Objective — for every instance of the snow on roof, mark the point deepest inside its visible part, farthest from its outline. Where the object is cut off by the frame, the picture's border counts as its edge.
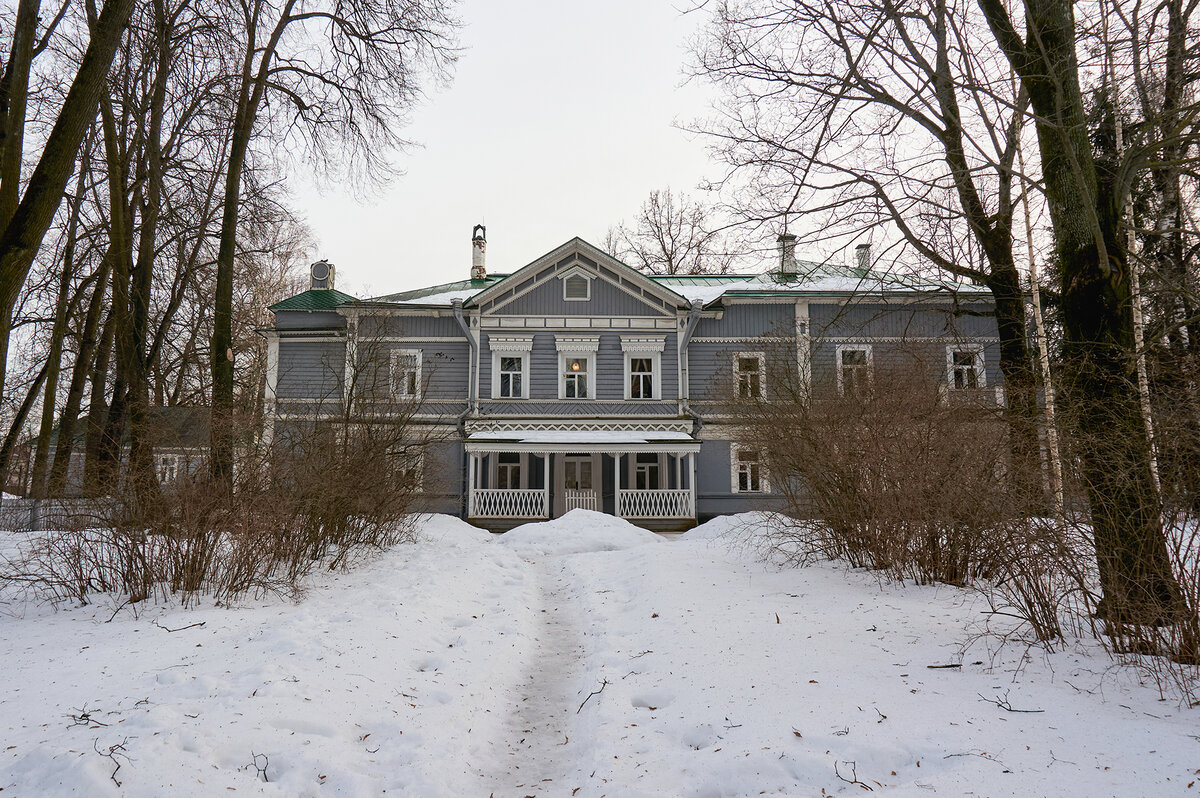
(444, 298)
(582, 440)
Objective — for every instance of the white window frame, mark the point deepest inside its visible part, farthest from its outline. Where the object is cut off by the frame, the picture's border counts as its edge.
(397, 354)
(522, 466)
(980, 365)
(737, 373)
(510, 346)
(571, 347)
(660, 470)
(735, 471)
(577, 271)
(167, 464)
(644, 347)
(842, 348)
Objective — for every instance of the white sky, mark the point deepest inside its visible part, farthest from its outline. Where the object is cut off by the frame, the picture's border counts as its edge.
(559, 122)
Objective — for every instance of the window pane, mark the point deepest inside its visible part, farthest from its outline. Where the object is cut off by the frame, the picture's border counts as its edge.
(641, 365)
(748, 365)
(854, 357)
(576, 288)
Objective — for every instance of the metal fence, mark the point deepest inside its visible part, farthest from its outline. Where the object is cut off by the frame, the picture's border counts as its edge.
(39, 515)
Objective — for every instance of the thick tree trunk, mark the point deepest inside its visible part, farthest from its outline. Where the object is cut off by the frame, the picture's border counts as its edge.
(16, 429)
(22, 237)
(14, 96)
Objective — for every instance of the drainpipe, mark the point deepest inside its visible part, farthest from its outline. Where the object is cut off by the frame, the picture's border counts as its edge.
(457, 305)
(685, 339)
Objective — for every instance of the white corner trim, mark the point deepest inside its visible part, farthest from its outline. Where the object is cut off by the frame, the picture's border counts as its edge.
(643, 343)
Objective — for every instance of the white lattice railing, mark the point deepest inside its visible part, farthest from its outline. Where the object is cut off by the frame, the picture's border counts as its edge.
(579, 500)
(655, 504)
(497, 503)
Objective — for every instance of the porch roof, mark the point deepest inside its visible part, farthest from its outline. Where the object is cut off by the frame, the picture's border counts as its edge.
(602, 441)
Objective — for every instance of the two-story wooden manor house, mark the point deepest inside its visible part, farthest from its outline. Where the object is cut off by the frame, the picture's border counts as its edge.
(578, 382)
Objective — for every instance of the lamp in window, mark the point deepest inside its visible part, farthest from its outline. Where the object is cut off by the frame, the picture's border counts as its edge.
(574, 365)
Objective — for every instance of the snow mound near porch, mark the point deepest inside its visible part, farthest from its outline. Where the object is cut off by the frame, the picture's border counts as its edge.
(733, 527)
(577, 532)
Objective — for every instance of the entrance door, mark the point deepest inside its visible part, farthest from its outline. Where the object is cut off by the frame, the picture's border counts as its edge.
(578, 489)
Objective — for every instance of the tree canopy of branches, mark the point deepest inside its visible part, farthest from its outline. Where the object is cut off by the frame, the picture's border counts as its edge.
(672, 234)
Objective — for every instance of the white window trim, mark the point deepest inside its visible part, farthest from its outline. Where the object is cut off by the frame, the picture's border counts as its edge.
(980, 365)
(761, 357)
(854, 348)
(577, 271)
(734, 469)
(577, 346)
(396, 355)
(643, 346)
(510, 346)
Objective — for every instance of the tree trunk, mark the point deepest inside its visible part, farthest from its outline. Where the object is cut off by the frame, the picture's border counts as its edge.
(98, 411)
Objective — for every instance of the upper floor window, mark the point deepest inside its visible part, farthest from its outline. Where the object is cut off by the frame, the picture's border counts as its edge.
(512, 371)
(643, 366)
(853, 369)
(510, 365)
(576, 362)
(749, 371)
(166, 468)
(575, 377)
(577, 288)
(965, 362)
(406, 373)
(749, 470)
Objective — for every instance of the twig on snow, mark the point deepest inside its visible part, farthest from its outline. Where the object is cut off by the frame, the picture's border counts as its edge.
(853, 776)
(180, 629)
(603, 684)
(1004, 703)
(114, 751)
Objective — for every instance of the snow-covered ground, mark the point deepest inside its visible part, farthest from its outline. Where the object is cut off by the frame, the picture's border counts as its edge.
(580, 657)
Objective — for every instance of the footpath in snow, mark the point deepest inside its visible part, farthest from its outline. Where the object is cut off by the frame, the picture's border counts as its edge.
(578, 657)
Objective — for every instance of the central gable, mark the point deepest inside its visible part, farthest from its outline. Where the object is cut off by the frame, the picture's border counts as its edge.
(577, 279)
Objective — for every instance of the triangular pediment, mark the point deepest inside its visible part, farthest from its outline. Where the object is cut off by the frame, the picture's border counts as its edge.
(615, 288)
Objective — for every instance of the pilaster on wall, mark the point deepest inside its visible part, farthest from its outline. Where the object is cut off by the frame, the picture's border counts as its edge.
(803, 346)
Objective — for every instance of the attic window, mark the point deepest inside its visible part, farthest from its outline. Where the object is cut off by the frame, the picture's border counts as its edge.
(577, 288)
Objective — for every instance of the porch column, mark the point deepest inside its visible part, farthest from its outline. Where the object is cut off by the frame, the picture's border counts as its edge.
(617, 484)
(546, 485)
(471, 486)
(692, 481)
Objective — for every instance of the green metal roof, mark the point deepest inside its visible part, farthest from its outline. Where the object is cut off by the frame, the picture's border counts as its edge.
(313, 299)
(444, 288)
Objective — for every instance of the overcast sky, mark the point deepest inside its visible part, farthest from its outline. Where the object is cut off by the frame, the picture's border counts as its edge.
(559, 121)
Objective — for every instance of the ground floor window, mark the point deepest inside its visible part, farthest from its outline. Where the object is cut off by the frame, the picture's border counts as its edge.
(508, 471)
(166, 468)
(749, 470)
(966, 367)
(646, 471)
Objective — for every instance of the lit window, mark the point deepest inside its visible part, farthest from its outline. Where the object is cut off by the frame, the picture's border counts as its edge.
(575, 377)
(854, 370)
(749, 373)
(966, 368)
(577, 287)
(406, 373)
(511, 371)
(508, 471)
(641, 378)
(750, 474)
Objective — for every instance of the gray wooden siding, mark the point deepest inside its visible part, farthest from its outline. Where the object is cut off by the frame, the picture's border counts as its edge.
(750, 321)
(311, 369)
(897, 359)
(896, 321)
(309, 320)
(606, 300)
(409, 326)
(444, 367)
(714, 486)
(608, 381)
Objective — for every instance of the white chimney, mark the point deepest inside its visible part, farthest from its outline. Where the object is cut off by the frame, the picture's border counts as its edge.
(787, 256)
(478, 247)
(862, 255)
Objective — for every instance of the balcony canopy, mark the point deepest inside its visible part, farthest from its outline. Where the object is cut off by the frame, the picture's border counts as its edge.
(600, 441)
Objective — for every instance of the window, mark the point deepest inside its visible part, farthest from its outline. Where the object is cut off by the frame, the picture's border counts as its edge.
(646, 471)
(749, 472)
(643, 370)
(965, 362)
(577, 472)
(510, 365)
(406, 373)
(576, 362)
(512, 371)
(749, 374)
(408, 465)
(853, 370)
(166, 468)
(641, 378)
(577, 288)
(508, 471)
(575, 377)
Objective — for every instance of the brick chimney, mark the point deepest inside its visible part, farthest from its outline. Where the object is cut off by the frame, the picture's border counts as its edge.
(862, 257)
(478, 248)
(787, 266)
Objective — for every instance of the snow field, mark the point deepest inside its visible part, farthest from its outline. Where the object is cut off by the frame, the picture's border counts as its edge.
(578, 657)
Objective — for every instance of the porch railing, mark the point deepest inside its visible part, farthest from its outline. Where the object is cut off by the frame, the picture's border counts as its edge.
(655, 504)
(580, 500)
(500, 503)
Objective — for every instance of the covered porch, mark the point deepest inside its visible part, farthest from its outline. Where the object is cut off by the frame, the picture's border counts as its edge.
(516, 476)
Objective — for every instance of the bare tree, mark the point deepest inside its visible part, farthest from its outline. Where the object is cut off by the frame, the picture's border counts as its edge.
(672, 234)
